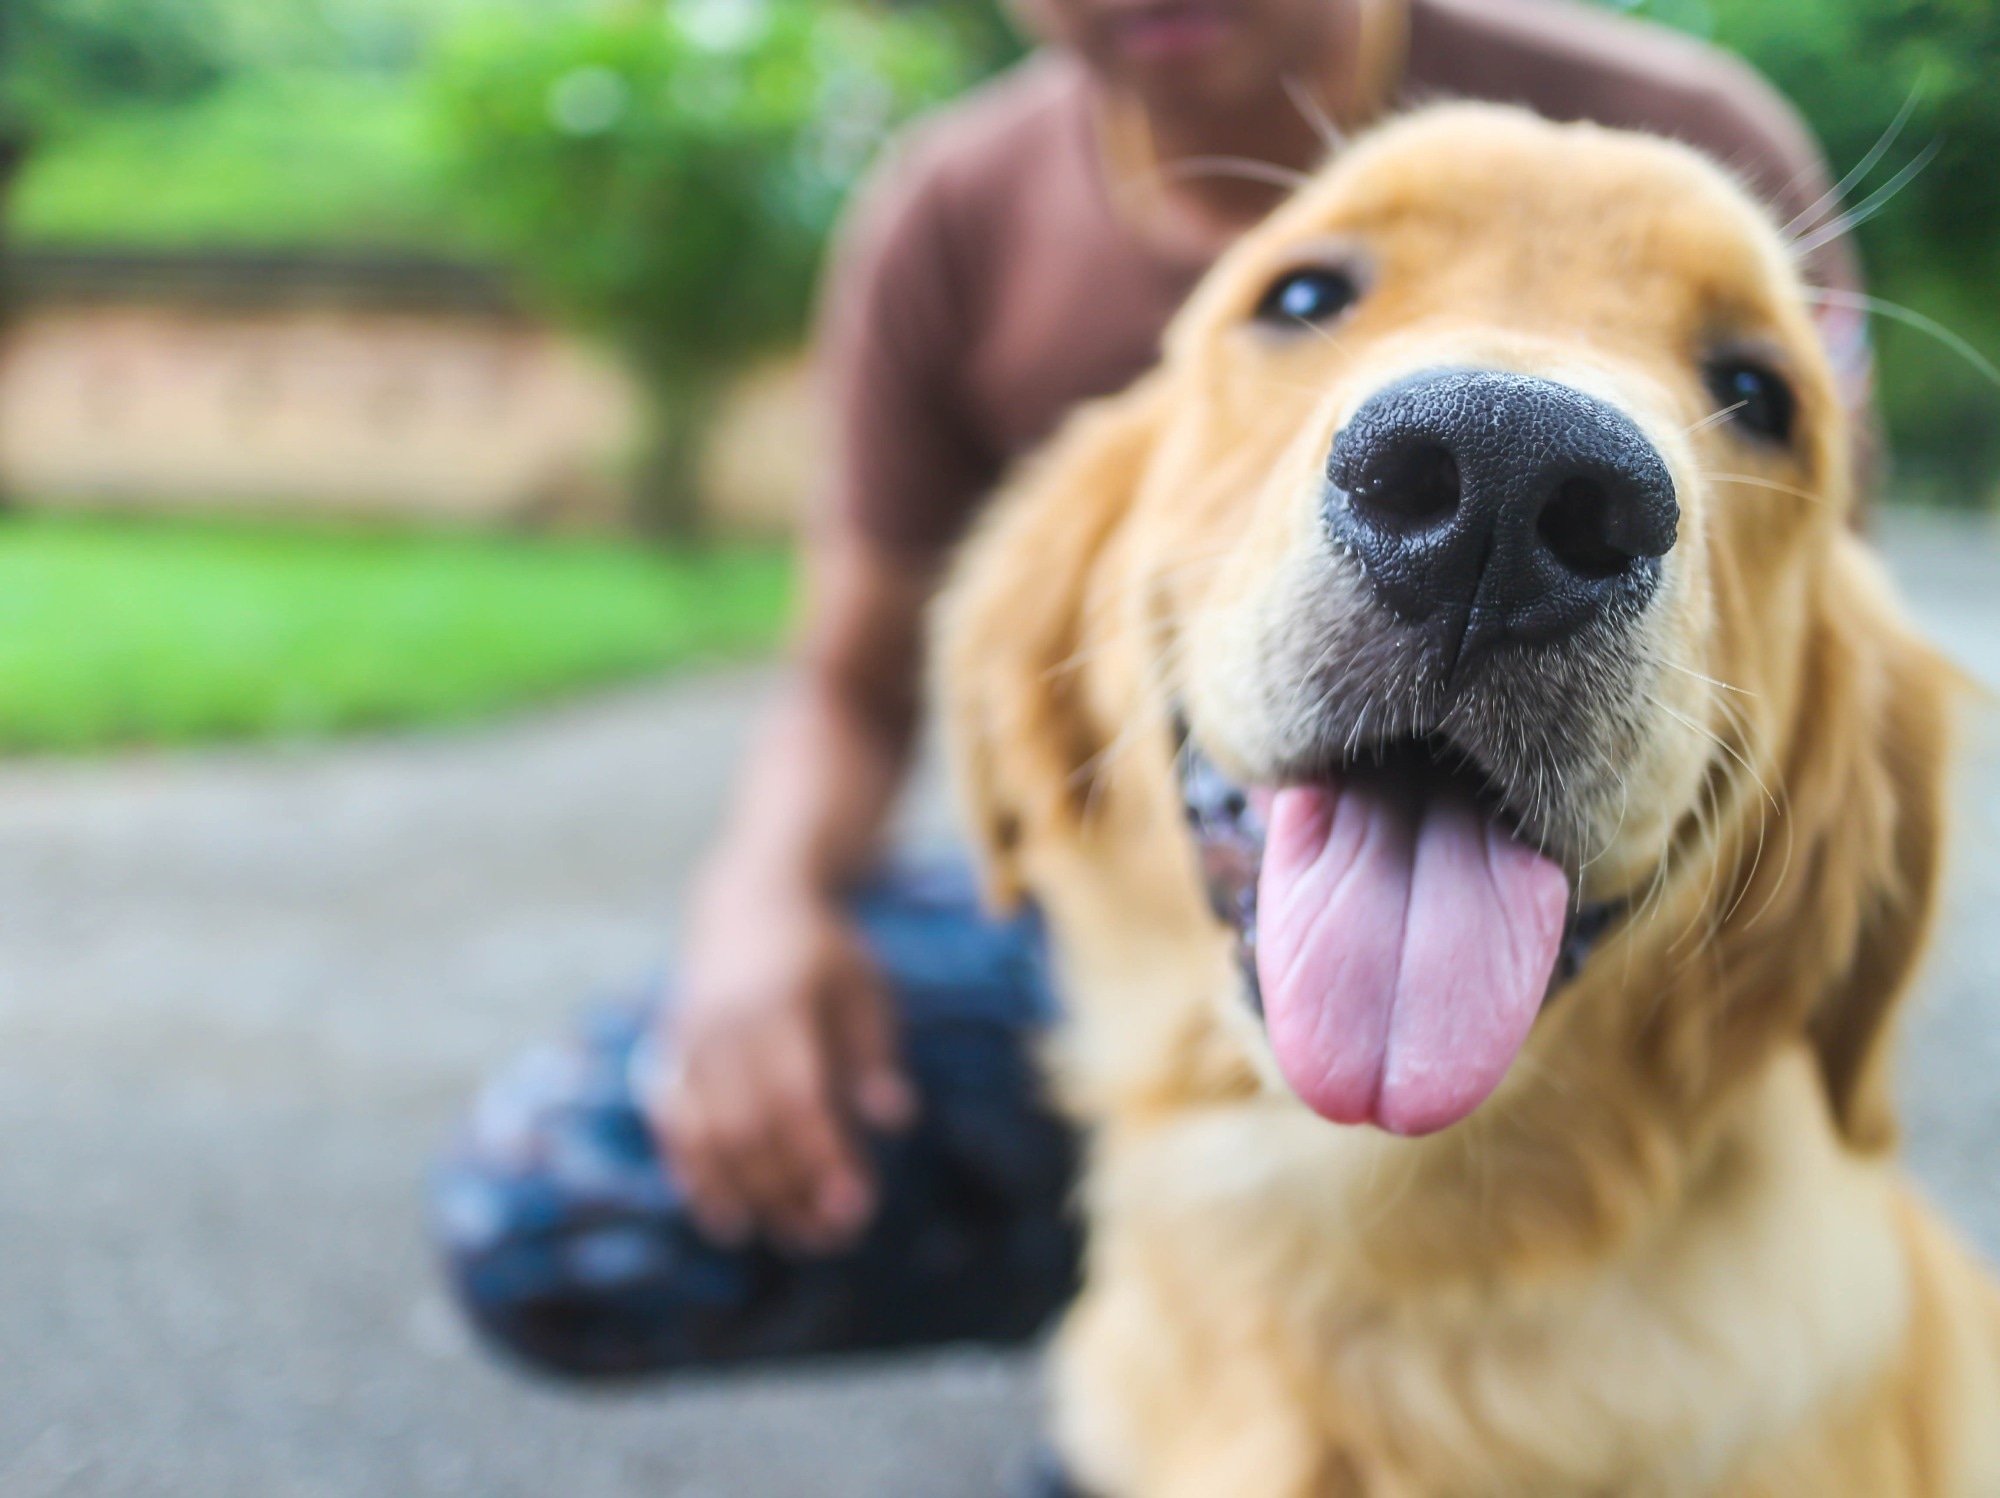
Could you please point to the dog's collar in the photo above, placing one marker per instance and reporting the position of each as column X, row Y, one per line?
column 1229, row 841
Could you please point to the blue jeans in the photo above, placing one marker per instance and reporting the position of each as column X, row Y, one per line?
column 570, row 1245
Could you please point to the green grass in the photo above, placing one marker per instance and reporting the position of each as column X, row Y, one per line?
column 140, row 633
column 271, row 161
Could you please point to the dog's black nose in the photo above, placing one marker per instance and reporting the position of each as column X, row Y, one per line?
column 1490, row 506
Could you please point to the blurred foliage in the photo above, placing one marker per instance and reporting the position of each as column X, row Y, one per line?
column 62, row 62
column 267, row 160
column 1852, row 66
column 990, row 36
column 117, row 632
column 62, row 57
column 668, row 175
column 673, row 183
column 230, row 123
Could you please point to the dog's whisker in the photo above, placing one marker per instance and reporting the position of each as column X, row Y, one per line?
column 1194, row 567
column 1710, row 680
column 1611, row 839
column 1745, row 729
column 1189, row 562
column 1718, row 741
column 1152, row 715
column 1143, row 721
column 1095, row 771
column 1331, row 341
column 1768, row 807
column 1654, row 903
column 1750, row 876
column 1873, row 205
column 1751, row 480
column 1911, row 318
column 1709, row 816
column 1809, row 219
column 1547, row 1075
column 1707, row 811
column 1784, row 874
column 1741, row 726
column 1779, row 809
column 1314, row 113
column 1714, row 418
column 1326, row 696
column 1243, row 168
column 1093, row 650
column 1378, row 1212
column 1544, row 813
column 1354, row 734
column 1076, row 660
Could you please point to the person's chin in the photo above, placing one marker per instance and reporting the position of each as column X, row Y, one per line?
column 1175, row 38
column 1220, row 83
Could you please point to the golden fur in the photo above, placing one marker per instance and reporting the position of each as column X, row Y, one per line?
column 1672, row 1255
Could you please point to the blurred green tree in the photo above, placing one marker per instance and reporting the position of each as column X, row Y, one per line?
column 58, row 57
column 62, row 61
column 668, row 175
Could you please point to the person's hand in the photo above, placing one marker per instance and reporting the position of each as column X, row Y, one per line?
column 782, row 1041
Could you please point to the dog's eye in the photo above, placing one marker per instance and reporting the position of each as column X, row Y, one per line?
column 1314, row 295
column 1761, row 400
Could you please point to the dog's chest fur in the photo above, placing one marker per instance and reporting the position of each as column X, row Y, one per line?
column 1250, row 1251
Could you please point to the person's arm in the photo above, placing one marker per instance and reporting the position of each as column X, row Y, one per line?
column 784, row 1041
column 824, row 772
column 781, row 1038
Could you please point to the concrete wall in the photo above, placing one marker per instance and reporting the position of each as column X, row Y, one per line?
column 438, row 416
column 349, row 389
column 767, row 455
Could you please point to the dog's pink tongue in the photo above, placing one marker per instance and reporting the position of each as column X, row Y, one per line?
column 1404, row 947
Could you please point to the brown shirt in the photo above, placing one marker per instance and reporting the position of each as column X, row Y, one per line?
column 985, row 283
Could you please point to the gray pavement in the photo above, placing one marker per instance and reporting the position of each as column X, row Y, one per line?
column 242, row 994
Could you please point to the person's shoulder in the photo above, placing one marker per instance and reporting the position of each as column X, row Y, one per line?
column 1457, row 44
column 915, row 250
column 986, row 139
column 1570, row 60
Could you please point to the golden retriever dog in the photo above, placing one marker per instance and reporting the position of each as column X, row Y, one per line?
column 1487, row 804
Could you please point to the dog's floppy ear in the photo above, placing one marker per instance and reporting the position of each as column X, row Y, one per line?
column 1883, row 812
column 1014, row 630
